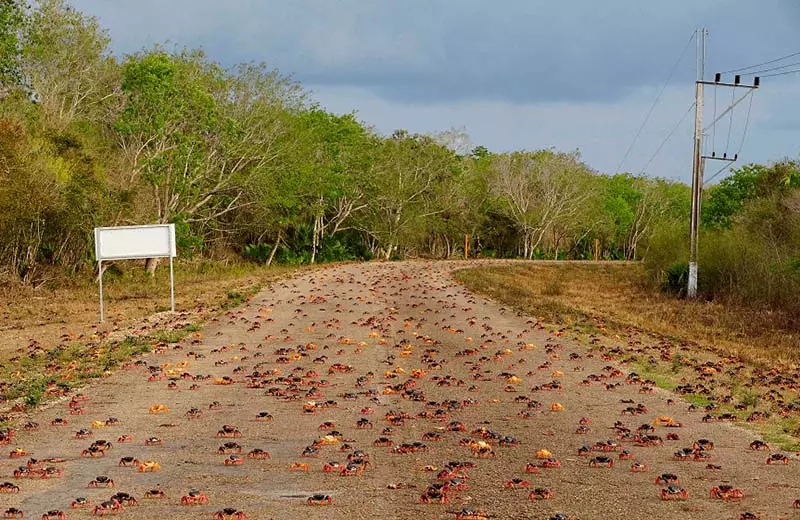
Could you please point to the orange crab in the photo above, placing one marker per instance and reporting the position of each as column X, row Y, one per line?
column 149, row 466
column 158, row 408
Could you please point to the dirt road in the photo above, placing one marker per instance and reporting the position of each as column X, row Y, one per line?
column 375, row 320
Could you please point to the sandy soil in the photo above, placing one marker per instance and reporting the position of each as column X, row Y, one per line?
column 363, row 316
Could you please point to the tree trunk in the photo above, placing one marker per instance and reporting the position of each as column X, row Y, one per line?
column 274, row 249
column 150, row 265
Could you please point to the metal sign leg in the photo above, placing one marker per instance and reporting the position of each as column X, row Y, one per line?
column 100, row 274
column 171, row 286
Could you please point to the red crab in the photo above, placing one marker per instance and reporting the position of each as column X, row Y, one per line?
column 330, row 467
column 55, row 514
column 517, row 483
column 471, row 514
column 125, row 438
column 194, row 498
column 540, row 494
column 229, row 513
column 668, row 479
column 101, row 481
column 229, row 447
column 777, row 458
column 726, row 492
column 674, row 493
column 81, row 503
column 234, row 460
column 229, row 431
column 319, row 500
column 109, row 507
column 638, row 467
column 258, row 453
column 433, row 496
column 759, row 446
column 8, row 487
column 13, row 512
column 602, row 461
column 153, row 441
column 154, row 493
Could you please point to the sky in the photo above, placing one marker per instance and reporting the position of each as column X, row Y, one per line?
column 515, row 74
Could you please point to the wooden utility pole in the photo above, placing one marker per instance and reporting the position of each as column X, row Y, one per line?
column 596, row 250
column 466, row 247
column 697, row 163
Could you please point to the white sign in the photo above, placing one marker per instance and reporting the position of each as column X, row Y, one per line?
column 132, row 242
column 135, row 242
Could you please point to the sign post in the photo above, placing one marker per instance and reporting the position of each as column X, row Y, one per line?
column 132, row 243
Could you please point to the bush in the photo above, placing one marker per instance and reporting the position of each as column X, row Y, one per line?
column 676, row 277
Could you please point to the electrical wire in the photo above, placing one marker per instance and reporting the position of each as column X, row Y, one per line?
column 655, row 102
column 674, row 129
column 796, row 63
column 781, row 73
column 730, row 123
column 764, row 63
column 741, row 144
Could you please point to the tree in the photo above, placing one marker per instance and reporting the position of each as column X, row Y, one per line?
column 66, row 62
column 12, row 22
column 403, row 182
column 538, row 189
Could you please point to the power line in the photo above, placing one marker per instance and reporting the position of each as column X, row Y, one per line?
column 781, row 73
column 674, row 129
column 653, row 106
column 764, row 63
column 772, row 68
column 741, row 144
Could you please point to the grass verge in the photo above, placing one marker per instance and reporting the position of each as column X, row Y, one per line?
column 614, row 301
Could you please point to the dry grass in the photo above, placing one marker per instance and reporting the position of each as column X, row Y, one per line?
column 613, row 301
column 617, row 294
column 70, row 308
column 50, row 337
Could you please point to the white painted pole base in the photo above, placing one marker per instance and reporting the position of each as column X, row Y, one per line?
column 692, row 289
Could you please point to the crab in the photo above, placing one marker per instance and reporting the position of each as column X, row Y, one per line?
column 229, row 447
column 154, row 493
column 194, row 498
column 128, row 461
column 638, row 467
column 626, row 455
column 668, row 479
column 229, row 513
column 54, row 514
column 122, row 439
column 153, row 441
column 703, row 444
column 229, row 431
column 109, row 507
column 674, row 493
column 50, row 472
column 726, row 492
column 299, row 466
column 319, row 500
column 17, row 453
column 517, row 483
column 101, row 481
column 777, row 458
column 352, row 469
column 540, row 494
column 759, row 446
column 456, row 426
column 81, row 503
column 8, row 487
column 193, row 413
column 13, row 512
column 433, row 496
column 796, row 504
column 263, row 417
column 158, row 408
column 149, row 466
column 258, row 453
column 83, row 433
column 327, row 425
column 749, row 516
column 601, row 461
column 382, row 442
column 471, row 514
column 234, row 460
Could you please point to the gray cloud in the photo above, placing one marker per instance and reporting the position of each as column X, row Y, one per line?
column 434, row 50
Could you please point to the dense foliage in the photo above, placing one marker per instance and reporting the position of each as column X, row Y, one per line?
column 750, row 242
column 245, row 164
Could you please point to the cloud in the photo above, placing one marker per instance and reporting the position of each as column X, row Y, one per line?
column 435, row 50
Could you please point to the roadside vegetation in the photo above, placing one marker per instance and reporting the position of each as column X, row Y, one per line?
column 616, row 303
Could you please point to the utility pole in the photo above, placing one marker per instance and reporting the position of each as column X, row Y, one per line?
column 699, row 160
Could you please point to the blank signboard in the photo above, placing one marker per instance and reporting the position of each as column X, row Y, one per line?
column 132, row 242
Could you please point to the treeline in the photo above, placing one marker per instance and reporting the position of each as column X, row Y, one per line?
column 246, row 164
column 749, row 246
